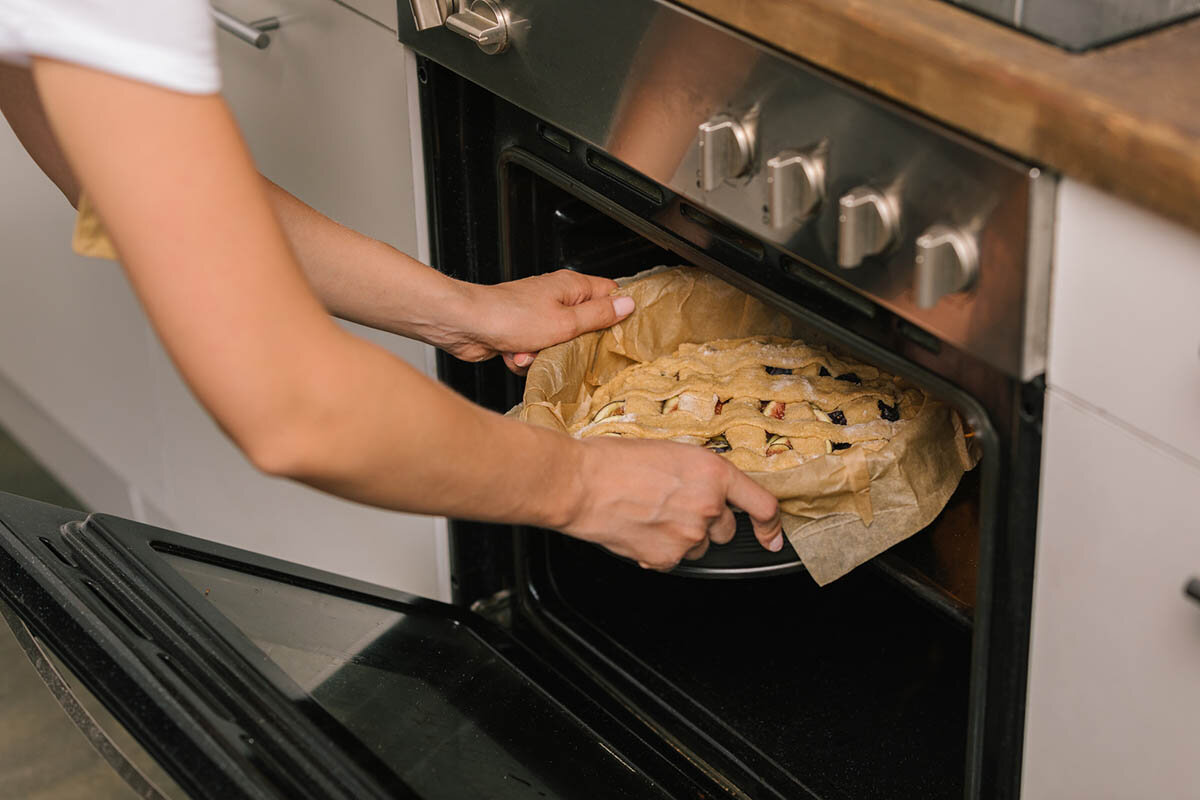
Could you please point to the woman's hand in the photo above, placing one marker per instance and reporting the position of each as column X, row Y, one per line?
column 660, row 502
column 519, row 318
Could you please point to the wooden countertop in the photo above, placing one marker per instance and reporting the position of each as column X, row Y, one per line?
column 1124, row 118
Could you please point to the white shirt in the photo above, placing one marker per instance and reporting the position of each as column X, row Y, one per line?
column 168, row 43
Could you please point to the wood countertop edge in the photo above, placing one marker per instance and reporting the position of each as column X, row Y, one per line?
column 1124, row 118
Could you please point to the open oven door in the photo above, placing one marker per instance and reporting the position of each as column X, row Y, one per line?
column 245, row 676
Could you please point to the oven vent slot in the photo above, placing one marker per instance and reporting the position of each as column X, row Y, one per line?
column 59, row 554
column 625, row 176
column 730, row 236
column 806, row 274
column 555, row 137
column 117, row 611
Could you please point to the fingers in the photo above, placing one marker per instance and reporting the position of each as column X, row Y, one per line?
column 760, row 504
column 600, row 287
column 602, row 312
column 576, row 287
column 698, row 551
column 518, row 362
column 723, row 527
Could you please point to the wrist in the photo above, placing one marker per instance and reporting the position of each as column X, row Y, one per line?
column 566, row 488
column 448, row 315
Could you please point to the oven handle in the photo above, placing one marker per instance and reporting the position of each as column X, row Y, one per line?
column 1192, row 588
column 254, row 33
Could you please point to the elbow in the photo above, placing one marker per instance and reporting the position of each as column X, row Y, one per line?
column 280, row 453
column 288, row 446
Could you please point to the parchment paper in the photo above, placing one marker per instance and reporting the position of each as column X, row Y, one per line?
column 838, row 510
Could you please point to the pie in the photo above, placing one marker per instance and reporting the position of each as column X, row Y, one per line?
column 764, row 403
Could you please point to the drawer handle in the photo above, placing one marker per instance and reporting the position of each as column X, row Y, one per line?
column 254, row 33
column 1192, row 588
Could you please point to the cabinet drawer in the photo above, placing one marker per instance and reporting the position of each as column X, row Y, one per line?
column 1125, row 331
column 1114, row 674
column 381, row 11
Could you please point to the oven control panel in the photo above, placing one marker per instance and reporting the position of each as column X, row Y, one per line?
column 946, row 232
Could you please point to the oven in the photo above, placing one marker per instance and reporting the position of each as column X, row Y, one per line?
column 608, row 140
column 559, row 136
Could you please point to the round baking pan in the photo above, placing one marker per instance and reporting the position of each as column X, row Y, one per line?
column 741, row 557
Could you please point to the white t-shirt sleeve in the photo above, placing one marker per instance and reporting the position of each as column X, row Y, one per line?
column 168, row 43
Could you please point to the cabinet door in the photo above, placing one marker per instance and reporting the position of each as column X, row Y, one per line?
column 325, row 111
column 1125, row 333
column 75, row 374
column 1114, row 674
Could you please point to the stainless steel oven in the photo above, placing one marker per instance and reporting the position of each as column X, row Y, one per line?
column 606, row 139
column 559, row 135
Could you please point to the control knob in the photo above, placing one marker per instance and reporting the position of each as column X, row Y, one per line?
column 868, row 221
column 726, row 150
column 484, row 22
column 795, row 186
column 947, row 262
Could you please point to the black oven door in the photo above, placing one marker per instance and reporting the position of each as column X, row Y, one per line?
column 245, row 676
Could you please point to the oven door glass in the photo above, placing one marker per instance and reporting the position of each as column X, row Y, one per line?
column 407, row 696
column 426, row 695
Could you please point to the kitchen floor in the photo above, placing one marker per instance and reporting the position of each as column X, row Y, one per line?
column 43, row 756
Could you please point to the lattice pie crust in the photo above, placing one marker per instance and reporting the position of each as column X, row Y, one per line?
column 764, row 403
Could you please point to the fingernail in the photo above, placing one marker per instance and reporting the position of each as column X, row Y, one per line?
column 523, row 360
column 776, row 544
column 622, row 305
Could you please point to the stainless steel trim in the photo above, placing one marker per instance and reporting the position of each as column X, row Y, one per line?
column 253, row 33
column 637, row 81
column 1039, row 256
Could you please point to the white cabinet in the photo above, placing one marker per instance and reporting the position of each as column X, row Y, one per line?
column 382, row 11
column 1114, row 680
column 325, row 110
column 1125, row 314
column 74, row 352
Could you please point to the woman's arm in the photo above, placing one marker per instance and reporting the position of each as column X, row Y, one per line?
column 366, row 281
column 192, row 221
column 21, row 106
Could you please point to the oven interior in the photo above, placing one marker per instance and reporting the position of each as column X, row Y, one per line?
column 872, row 687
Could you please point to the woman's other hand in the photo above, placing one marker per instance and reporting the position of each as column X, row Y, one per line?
column 519, row 318
column 660, row 502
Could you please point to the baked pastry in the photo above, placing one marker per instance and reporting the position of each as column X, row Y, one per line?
column 764, row 403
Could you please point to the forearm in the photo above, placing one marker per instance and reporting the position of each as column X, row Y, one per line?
column 378, row 431
column 367, row 281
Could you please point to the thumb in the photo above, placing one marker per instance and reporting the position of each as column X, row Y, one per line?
column 601, row 312
column 760, row 504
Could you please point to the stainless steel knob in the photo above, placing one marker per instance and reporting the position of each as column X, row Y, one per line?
column 795, row 186
column 868, row 221
column 726, row 150
column 485, row 23
column 947, row 262
column 430, row 13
